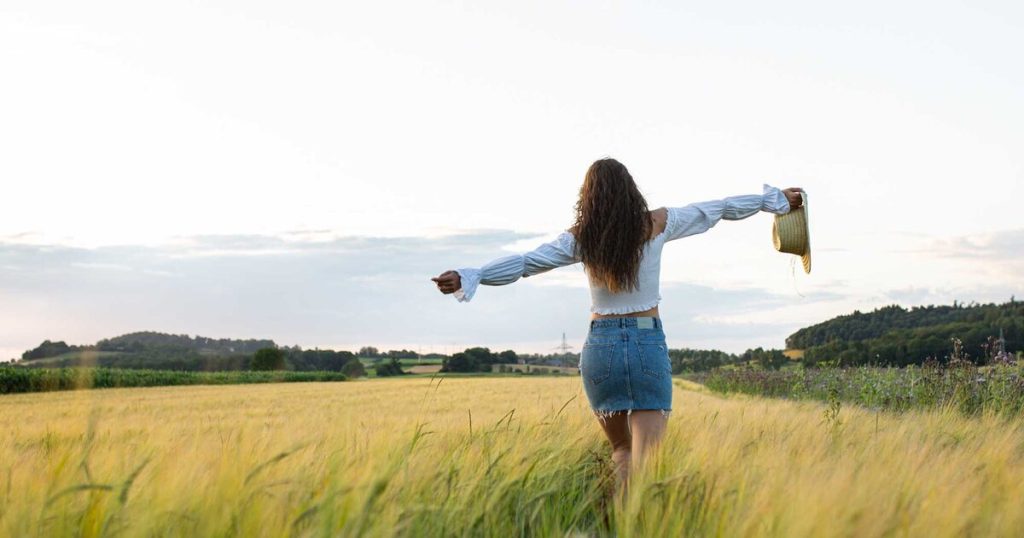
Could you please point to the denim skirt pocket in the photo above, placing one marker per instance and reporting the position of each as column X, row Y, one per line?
column 596, row 361
column 654, row 359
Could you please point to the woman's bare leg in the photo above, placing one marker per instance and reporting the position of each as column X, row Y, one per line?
column 647, row 427
column 616, row 427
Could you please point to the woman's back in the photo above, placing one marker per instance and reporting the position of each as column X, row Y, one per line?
column 647, row 293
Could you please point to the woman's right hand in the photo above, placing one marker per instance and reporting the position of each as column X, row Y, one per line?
column 793, row 195
column 448, row 282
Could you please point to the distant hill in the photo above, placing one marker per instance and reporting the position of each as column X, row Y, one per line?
column 897, row 336
column 154, row 350
column 148, row 340
column 200, row 344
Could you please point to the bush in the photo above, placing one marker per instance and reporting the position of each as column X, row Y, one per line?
column 354, row 368
column 390, row 368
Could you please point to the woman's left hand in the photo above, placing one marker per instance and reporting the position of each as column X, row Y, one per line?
column 793, row 195
column 448, row 282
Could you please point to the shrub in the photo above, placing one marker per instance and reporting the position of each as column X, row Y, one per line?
column 354, row 368
column 389, row 368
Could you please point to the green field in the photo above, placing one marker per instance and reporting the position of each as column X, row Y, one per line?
column 14, row 380
column 411, row 362
column 428, row 367
column 370, row 361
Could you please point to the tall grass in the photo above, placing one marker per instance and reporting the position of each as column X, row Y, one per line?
column 14, row 380
column 960, row 385
column 488, row 457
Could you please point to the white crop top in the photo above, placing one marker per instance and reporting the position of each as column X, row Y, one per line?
column 682, row 221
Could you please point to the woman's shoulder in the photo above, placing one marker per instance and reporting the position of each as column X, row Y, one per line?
column 659, row 217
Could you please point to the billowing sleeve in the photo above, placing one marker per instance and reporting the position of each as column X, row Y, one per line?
column 702, row 216
column 557, row 253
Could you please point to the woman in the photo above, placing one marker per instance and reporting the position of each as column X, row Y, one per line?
column 624, row 364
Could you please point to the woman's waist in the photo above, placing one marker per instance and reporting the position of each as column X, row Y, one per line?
column 640, row 302
column 648, row 313
column 641, row 320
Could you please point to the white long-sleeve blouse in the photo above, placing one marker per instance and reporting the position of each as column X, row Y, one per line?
column 683, row 221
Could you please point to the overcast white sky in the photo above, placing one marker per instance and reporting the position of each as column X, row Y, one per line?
column 218, row 168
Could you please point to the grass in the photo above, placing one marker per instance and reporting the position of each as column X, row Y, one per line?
column 489, row 456
column 13, row 380
column 959, row 385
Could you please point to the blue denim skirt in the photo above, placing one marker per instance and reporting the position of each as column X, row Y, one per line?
column 625, row 366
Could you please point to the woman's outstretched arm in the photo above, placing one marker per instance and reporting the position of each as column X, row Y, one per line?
column 506, row 270
column 702, row 216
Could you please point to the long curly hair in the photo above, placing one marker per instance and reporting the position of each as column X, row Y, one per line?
column 612, row 225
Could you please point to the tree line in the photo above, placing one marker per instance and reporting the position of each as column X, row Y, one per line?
column 138, row 342
column 888, row 336
column 202, row 344
column 477, row 359
column 162, row 354
column 895, row 336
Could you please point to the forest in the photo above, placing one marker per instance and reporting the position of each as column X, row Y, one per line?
column 897, row 336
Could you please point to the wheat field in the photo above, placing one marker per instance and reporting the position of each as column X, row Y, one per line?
column 489, row 456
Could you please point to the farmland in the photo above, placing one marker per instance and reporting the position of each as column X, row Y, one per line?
column 431, row 366
column 13, row 380
column 493, row 456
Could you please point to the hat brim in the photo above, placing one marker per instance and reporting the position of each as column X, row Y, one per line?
column 806, row 258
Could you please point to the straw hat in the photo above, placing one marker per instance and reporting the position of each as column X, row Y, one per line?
column 791, row 234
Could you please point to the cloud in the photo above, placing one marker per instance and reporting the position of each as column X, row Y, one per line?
column 343, row 292
column 992, row 293
column 1006, row 245
column 101, row 266
column 346, row 291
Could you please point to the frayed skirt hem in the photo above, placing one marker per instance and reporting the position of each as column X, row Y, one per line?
column 603, row 415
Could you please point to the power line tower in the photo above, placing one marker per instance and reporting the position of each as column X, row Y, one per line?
column 564, row 347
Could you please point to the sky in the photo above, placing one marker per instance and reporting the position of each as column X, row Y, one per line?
column 298, row 171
